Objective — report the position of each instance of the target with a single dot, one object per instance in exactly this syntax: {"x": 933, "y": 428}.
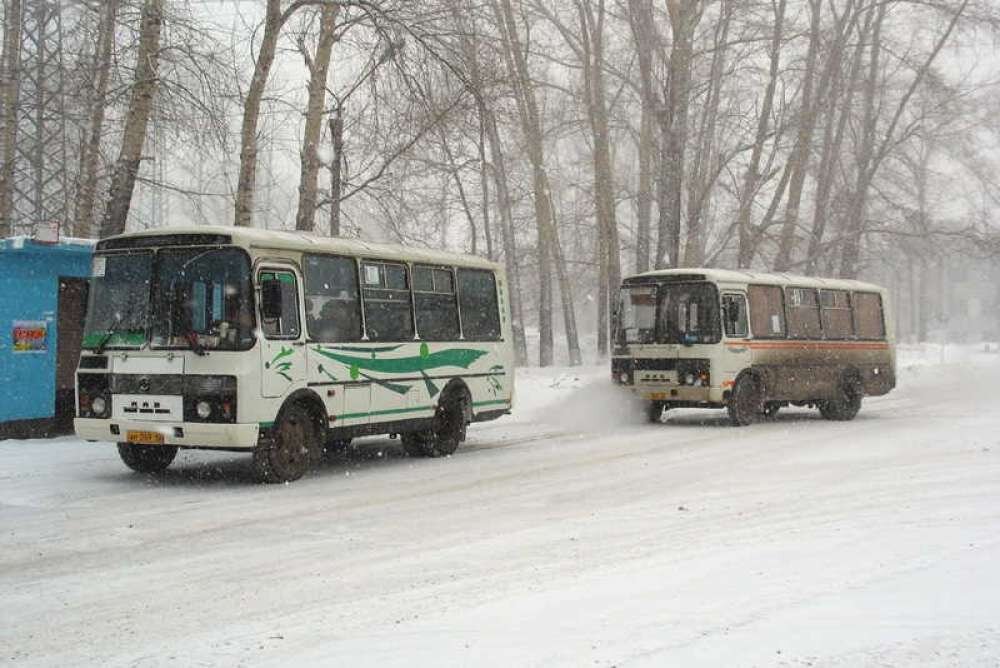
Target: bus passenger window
{"x": 803, "y": 313}
{"x": 279, "y": 307}
{"x": 868, "y": 315}
{"x": 835, "y": 312}
{"x": 734, "y": 312}
{"x": 436, "y": 307}
{"x": 767, "y": 311}
{"x": 477, "y": 298}
{"x": 333, "y": 308}
{"x": 388, "y": 312}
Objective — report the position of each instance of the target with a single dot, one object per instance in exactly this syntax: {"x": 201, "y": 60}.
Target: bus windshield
{"x": 689, "y": 313}
{"x": 637, "y": 314}
{"x": 193, "y": 298}
{"x": 119, "y": 301}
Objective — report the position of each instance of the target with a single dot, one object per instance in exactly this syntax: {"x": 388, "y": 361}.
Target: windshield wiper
{"x": 191, "y": 337}
{"x": 114, "y": 329}
{"x": 99, "y": 348}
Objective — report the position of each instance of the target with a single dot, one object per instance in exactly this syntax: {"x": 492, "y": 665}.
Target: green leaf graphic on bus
{"x": 282, "y": 367}
{"x": 421, "y": 363}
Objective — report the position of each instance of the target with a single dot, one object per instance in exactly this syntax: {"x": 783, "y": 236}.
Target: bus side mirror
{"x": 270, "y": 300}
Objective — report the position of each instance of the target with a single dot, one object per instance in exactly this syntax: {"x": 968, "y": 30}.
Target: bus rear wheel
{"x": 845, "y": 406}
{"x": 147, "y": 458}
{"x": 746, "y": 403}
{"x": 446, "y": 433}
{"x": 290, "y": 449}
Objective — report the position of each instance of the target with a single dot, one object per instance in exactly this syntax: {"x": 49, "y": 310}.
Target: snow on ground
{"x": 569, "y": 534}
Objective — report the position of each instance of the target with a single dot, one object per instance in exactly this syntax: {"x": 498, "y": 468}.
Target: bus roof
{"x": 739, "y": 276}
{"x": 250, "y": 237}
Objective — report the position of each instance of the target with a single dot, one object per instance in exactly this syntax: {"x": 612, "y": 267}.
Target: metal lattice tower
{"x": 40, "y": 188}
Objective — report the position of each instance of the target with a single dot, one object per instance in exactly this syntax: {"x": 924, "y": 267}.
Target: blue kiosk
{"x": 43, "y": 301}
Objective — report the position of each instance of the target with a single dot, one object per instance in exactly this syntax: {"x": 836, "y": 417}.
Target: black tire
{"x": 654, "y": 411}
{"x": 771, "y": 409}
{"x": 415, "y": 442}
{"x": 336, "y": 446}
{"x": 746, "y": 402}
{"x": 446, "y": 433}
{"x": 846, "y": 405}
{"x": 147, "y": 458}
{"x": 291, "y": 449}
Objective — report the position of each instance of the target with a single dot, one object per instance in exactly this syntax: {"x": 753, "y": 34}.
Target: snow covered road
{"x": 570, "y": 534}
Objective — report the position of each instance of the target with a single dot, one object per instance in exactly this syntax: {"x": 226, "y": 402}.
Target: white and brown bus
{"x": 751, "y": 342}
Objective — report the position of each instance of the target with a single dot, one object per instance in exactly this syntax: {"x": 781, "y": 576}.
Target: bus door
{"x": 283, "y": 358}
{"x": 736, "y": 354}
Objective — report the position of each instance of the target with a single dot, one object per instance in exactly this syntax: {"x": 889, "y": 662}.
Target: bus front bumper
{"x": 183, "y": 434}
{"x": 681, "y": 394}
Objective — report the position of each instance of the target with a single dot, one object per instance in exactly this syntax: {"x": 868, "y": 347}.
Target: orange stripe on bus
{"x": 811, "y": 345}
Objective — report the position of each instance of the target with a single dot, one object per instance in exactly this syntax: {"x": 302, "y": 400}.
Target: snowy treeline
{"x": 572, "y": 140}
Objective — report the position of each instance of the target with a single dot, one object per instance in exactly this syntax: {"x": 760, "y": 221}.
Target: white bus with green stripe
{"x": 287, "y": 345}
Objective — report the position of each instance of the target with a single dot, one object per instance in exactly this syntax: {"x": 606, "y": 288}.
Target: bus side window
{"x": 435, "y": 304}
{"x": 477, "y": 300}
{"x": 388, "y": 310}
{"x": 767, "y": 311}
{"x": 835, "y": 309}
{"x": 279, "y": 308}
{"x": 803, "y": 313}
{"x": 333, "y": 307}
{"x": 868, "y": 321}
{"x": 734, "y": 311}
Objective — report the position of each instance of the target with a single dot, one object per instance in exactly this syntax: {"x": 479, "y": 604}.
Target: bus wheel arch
{"x": 295, "y": 441}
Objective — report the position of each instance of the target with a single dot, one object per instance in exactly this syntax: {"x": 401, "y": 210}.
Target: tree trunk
{"x": 531, "y": 123}
{"x": 336, "y": 123}
{"x": 10, "y": 71}
{"x": 642, "y": 27}
{"x": 592, "y": 55}
{"x": 858, "y": 202}
{"x": 707, "y": 163}
{"x": 305, "y": 218}
{"x": 565, "y": 293}
{"x": 507, "y": 234}
{"x": 136, "y": 120}
{"x": 684, "y": 18}
{"x": 90, "y": 155}
{"x": 752, "y": 177}
{"x": 247, "y": 182}
{"x": 833, "y": 140}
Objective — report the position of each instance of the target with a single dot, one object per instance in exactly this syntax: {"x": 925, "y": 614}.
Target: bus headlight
{"x": 689, "y": 379}
{"x": 98, "y": 406}
{"x": 623, "y": 378}
{"x": 204, "y": 410}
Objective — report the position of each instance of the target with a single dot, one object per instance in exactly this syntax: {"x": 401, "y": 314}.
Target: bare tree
{"x": 90, "y": 154}
{"x": 318, "y": 68}
{"x": 137, "y": 118}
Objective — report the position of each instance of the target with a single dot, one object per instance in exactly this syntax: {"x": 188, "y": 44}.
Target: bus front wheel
{"x": 147, "y": 458}
{"x": 290, "y": 449}
{"x": 654, "y": 411}
{"x": 746, "y": 403}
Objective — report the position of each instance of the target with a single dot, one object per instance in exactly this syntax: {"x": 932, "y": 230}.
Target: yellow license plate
{"x": 144, "y": 437}
{"x": 659, "y": 396}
